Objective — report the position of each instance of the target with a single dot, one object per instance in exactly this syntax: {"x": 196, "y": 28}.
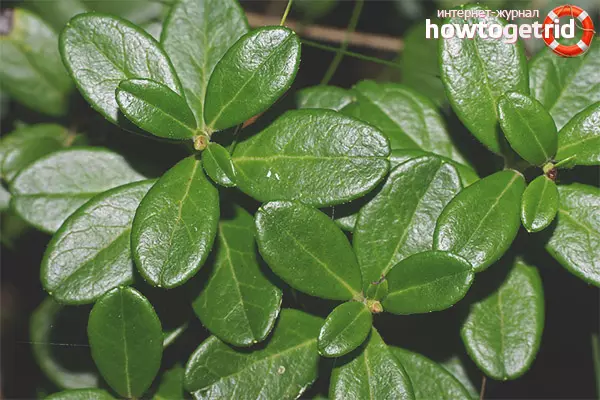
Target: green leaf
{"x": 456, "y": 367}
{"x": 282, "y": 369}
{"x": 307, "y": 250}
{"x": 429, "y": 379}
{"x": 196, "y": 35}
{"x": 218, "y": 165}
{"x": 574, "y": 242}
{"x": 4, "y": 198}
{"x": 318, "y": 157}
{"x": 539, "y": 204}
{"x": 91, "y": 253}
{"x": 31, "y": 71}
{"x": 126, "y": 341}
{"x": 81, "y": 394}
{"x": 580, "y": 137}
{"x": 171, "y": 385}
{"x": 502, "y": 332}
{"x": 314, "y": 9}
{"x": 329, "y": 97}
{"x": 372, "y": 373}
{"x": 476, "y": 72}
{"x": 260, "y": 66}
{"x": 239, "y": 304}
{"x": 53, "y": 187}
{"x": 529, "y": 128}
{"x": 100, "y": 51}
{"x": 480, "y": 223}
{"x": 175, "y": 225}
{"x": 428, "y": 281}
{"x": 377, "y": 290}
{"x": 400, "y": 220}
{"x": 345, "y": 328}
{"x": 156, "y": 109}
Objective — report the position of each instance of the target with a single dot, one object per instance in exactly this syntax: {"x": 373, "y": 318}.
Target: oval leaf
{"x": 580, "y": 138}
{"x": 480, "y": 223}
{"x": 81, "y": 394}
{"x": 260, "y": 66}
{"x": 329, "y": 97}
{"x": 126, "y": 341}
{"x": 171, "y": 385}
{"x": 218, "y": 166}
{"x": 175, "y": 225}
{"x": 318, "y": 157}
{"x": 539, "y": 204}
{"x": 346, "y": 328}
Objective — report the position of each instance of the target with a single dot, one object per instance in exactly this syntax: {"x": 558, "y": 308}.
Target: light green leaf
{"x": 539, "y": 204}
{"x": 171, "y": 385}
{"x": 218, "y": 166}
{"x": 330, "y": 97}
{"x": 580, "y": 137}
{"x": 345, "y": 328}
{"x": 81, "y": 394}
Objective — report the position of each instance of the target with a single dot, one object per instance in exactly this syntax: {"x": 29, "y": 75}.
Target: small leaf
{"x": 455, "y": 366}
{"x": 239, "y": 304}
{"x": 283, "y": 369}
{"x": 175, "y": 225}
{"x": 377, "y": 290}
{"x": 318, "y": 157}
{"x": 126, "y": 341}
{"x": 329, "y": 97}
{"x": 218, "y": 166}
{"x": 81, "y": 394}
{"x": 260, "y": 66}
{"x": 171, "y": 385}
{"x": 502, "y": 332}
{"x": 539, "y": 204}
{"x": 307, "y": 250}
{"x": 53, "y": 187}
{"x": 529, "y": 128}
{"x": 345, "y": 328}
{"x": 428, "y": 281}
{"x": 156, "y": 109}
{"x": 91, "y": 253}
{"x": 580, "y": 138}
{"x": 480, "y": 223}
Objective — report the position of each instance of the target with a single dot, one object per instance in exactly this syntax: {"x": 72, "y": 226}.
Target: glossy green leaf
{"x": 318, "y": 157}
{"x": 251, "y": 76}
{"x": 81, "y": 394}
{"x": 196, "y": 35}
{"x": 175, "y": 225}
{"x": 377, "y": 290}
{"x": 282, "y": 369}
{"x": 218, "y": 166}
{"x": 576, "y": 239}
{"x": 345, "y": 328}
{"x": 539, "y": 204}
{"x": 171, "y": 385}
{"x": 455, "y": 365}
{"x": 580, "y": 137}
{"x": 480, "y": 223}
{"x": 476, "y": 72}
{"x": 53, "y": 187}
{"x": 239, "y": 304}
{"x": 330, "y": 97}
{"x": 400, "y": 220}
{"x": 100, "y": 51}
{"x": 429, "y": 379}
{"x": 31, "y": 70}
{"x": 372, "y": 373}
{"x": 156, "y": 108}
{"x": 427, "y": 281}
{"x": 126, "y": 341}
{"x": 91, "y": 253}
{"x": 502, "y": 332}
{"x": 529, "y": 128}
{"x": 307, "y": 250}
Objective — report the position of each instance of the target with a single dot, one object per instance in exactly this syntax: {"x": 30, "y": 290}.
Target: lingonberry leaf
{"x": 377, "y": 290}
{"x": 502, "y": 332}
{"x": 580, "y": 137}
{"x": 345, "y": 328}
{"x": 81, "y": 394}
{"x": 218, "y": 165}
{"x": 539, "y": 204}
{"x": 100, "y": 51}
{"x": 91, "y": 252}
{"x": 480, "y": 223}
{"x": 125, "y": 337}
{"x": 260, "y": 66}
{"x": 400, "y": 220}
{"x": 318, "y": 157}
{"x": 455, "y": 365}
{"x": 329, "y": 97}
{"x": 476, "y": 72}
{"x": 239, "y": 304}
{"x": 529, "y": 128}
{"x": 307, "y": 250}
{"x": 46, "y": 192}
{"x": 282, "y": 369}
{"x": 171, "y": 385}
{"x": 175, "y": 225}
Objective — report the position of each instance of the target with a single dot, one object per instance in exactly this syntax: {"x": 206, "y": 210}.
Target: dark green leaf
{"x": 539, "y": 204}
{"x": 171, "y": 385}
{"x": 346, "y": 328}
{"x": 81, "y": 394}
{"x": 283, "y": 369}
{"x": 239, "y": 304}
{"x": 377, "y": 290}
{"x": 126, "y": 341}
{"x": 307, "y": 250}
{"x": 330, "y": 97}
{"x": 580, "y": 137}
{"x": 91, "y": 253}
{"x": 260, "y": 66}
{"x": 218, "y": 166}
{"x": 318, "y": 157}
{"x": 175, "y": 225}
{"x": 480, "y": 223}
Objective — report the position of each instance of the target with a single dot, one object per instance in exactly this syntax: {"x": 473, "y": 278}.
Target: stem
{"x": 286, "y": 12}
{"x": 482, "y": 391}
{"x": 596, "y": 357}
{"x": 350, "y": 54}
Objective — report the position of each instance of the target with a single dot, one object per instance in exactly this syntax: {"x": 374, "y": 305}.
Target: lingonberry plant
{"x": 360, "y": 197}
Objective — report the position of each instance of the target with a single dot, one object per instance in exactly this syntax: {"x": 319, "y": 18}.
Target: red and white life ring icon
{"x": 574, "y": 12}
